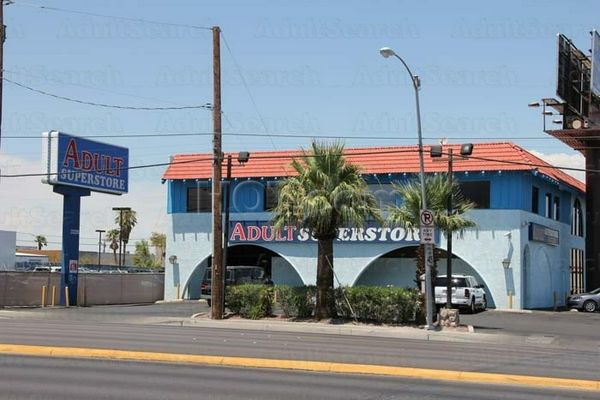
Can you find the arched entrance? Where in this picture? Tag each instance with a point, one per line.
(280, 271)
(398, 268)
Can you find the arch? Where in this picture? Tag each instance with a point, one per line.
(277, 267)
(398, 268)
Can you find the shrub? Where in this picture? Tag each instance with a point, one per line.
(250, 301)
(296, 301)
(379, 304)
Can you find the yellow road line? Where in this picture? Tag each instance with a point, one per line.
(314, 366)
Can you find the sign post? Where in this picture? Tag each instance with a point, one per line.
(427, 237)
(76, 166)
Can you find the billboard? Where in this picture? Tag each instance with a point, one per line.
(595, 63)
(75, 161)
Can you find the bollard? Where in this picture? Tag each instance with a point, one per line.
(554, 300)
(44, 296)
(178, 293)
(53, 296)
(510, 297)
(67, 296)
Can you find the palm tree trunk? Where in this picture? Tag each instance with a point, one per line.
(325, 307)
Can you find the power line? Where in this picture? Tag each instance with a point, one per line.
(90, 103)
(297, 135)
(89, 14)
(300, 155)
(239, 70)
(67, 82)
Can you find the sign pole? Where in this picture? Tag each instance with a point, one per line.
(70, 241)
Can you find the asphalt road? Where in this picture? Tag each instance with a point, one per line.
(531, 359)
(64, 379)
(566, 324)
(135, 328)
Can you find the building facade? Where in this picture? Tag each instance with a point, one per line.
(527, 248)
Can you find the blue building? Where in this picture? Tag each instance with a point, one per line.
(527, 248)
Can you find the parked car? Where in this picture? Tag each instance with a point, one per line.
(236, 275)
(589, 302)
(467, 293)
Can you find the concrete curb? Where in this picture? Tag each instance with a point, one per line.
(302, 365)
(395, 332)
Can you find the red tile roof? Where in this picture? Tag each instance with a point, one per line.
(502, 156)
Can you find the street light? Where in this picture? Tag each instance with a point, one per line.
(243, 157)
(387, 52)
(100, 232)
(437, 151)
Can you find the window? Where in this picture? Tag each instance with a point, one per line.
(548, 206)
(384, 194)
(477, 192)
(456, 282)
(271, 196)
(556, 208)
(199, 199)
(535, 200)
(577, 219)
(576, 271)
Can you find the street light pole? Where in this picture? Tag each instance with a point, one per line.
(387, 52)
(100, 232)
(226, 227)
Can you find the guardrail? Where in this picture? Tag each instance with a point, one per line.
(27, 288)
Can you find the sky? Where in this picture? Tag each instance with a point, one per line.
(288, 67)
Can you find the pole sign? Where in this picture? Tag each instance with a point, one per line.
(75, 161)
(427, 229)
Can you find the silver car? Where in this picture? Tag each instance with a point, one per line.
(589, 302)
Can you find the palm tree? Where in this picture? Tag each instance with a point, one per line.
(41, 241)
(142, 257)
(327, 194)
(438, 191)
(126, 220)
(159, 242)
(113, 236)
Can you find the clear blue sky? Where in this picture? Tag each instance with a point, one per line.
(312, 67)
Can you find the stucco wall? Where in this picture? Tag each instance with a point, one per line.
(499, 235)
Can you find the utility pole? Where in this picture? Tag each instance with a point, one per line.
(2, 39)
(218, 275)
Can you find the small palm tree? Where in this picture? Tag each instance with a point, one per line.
(142, 257)
(159, 242)
(328, 193)
(126, 220)
(437, 192)
(113, 236)
(41, 241)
